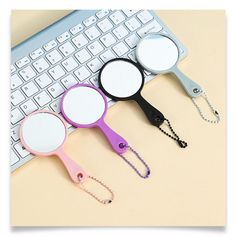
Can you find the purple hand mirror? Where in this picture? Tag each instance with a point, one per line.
(85, 106)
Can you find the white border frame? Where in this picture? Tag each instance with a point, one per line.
(8, 5)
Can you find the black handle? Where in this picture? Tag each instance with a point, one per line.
(154, 116)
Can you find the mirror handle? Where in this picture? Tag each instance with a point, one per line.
(118, 143)
(193, 89)
(154, 116)
(76, 172)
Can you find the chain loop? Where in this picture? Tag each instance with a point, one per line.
(175, 137)
(215, 113)
(103, 201)
(132, 166)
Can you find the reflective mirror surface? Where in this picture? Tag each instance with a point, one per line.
(157, 53)
(121, 78)
(43, 132)
(83, 105)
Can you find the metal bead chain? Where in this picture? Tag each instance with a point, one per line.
(215, 113)
(133, 167)
(103, 201)
(175, 137)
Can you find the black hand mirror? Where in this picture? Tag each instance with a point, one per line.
(122, 80)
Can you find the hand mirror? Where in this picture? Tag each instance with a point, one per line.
(122, 79)
(43, 133)
(159, 54)
(85, 106)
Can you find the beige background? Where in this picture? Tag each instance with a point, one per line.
(186, 187)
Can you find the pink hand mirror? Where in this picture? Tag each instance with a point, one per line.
(44, 133)
(85, 106)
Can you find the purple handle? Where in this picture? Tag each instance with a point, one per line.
(117, 142)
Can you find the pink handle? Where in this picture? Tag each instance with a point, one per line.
(76, 173)
(117, 142)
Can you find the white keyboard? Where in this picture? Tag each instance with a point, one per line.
(39, 76)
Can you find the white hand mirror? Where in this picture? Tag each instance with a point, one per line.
(159, 54)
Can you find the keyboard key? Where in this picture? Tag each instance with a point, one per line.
(80, 41)
(69, 64)
(132, 40)
(47, 108)
(14, 158)
(21, 150)
(12, 68)
(56, 72)
(107, 56)
(130, 13)
(117, 17)
(145, 16)
(82, 56)
(22, 62)
(132, 56)
(41, 65)
(17, 97)
(54, 57)
(43, 80)
(149, 28)
(15, 133)
(63, 37)
(56, 106)
(120, 32)
(69, 81)
(15, 81)
(94, 81)
(27, 73)
(108, 40)
(89, 21)
(92, 33)
(50, 45)
(30, 89)
(102, 13)
(16, 116)
(67, 49)
(76, 29)
(87, 82)
(120, 49)
(95, 48)
(55, 90)
(82, 73)
(105, 25)
(28, 107)
(36, 53)
(42, 98)
(132, 24)
(94, 65)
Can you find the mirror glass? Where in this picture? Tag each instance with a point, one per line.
(157, 53)
(121, 78)
(43, 132)
(83, 105)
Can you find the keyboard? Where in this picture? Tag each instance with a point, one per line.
(70, 51)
